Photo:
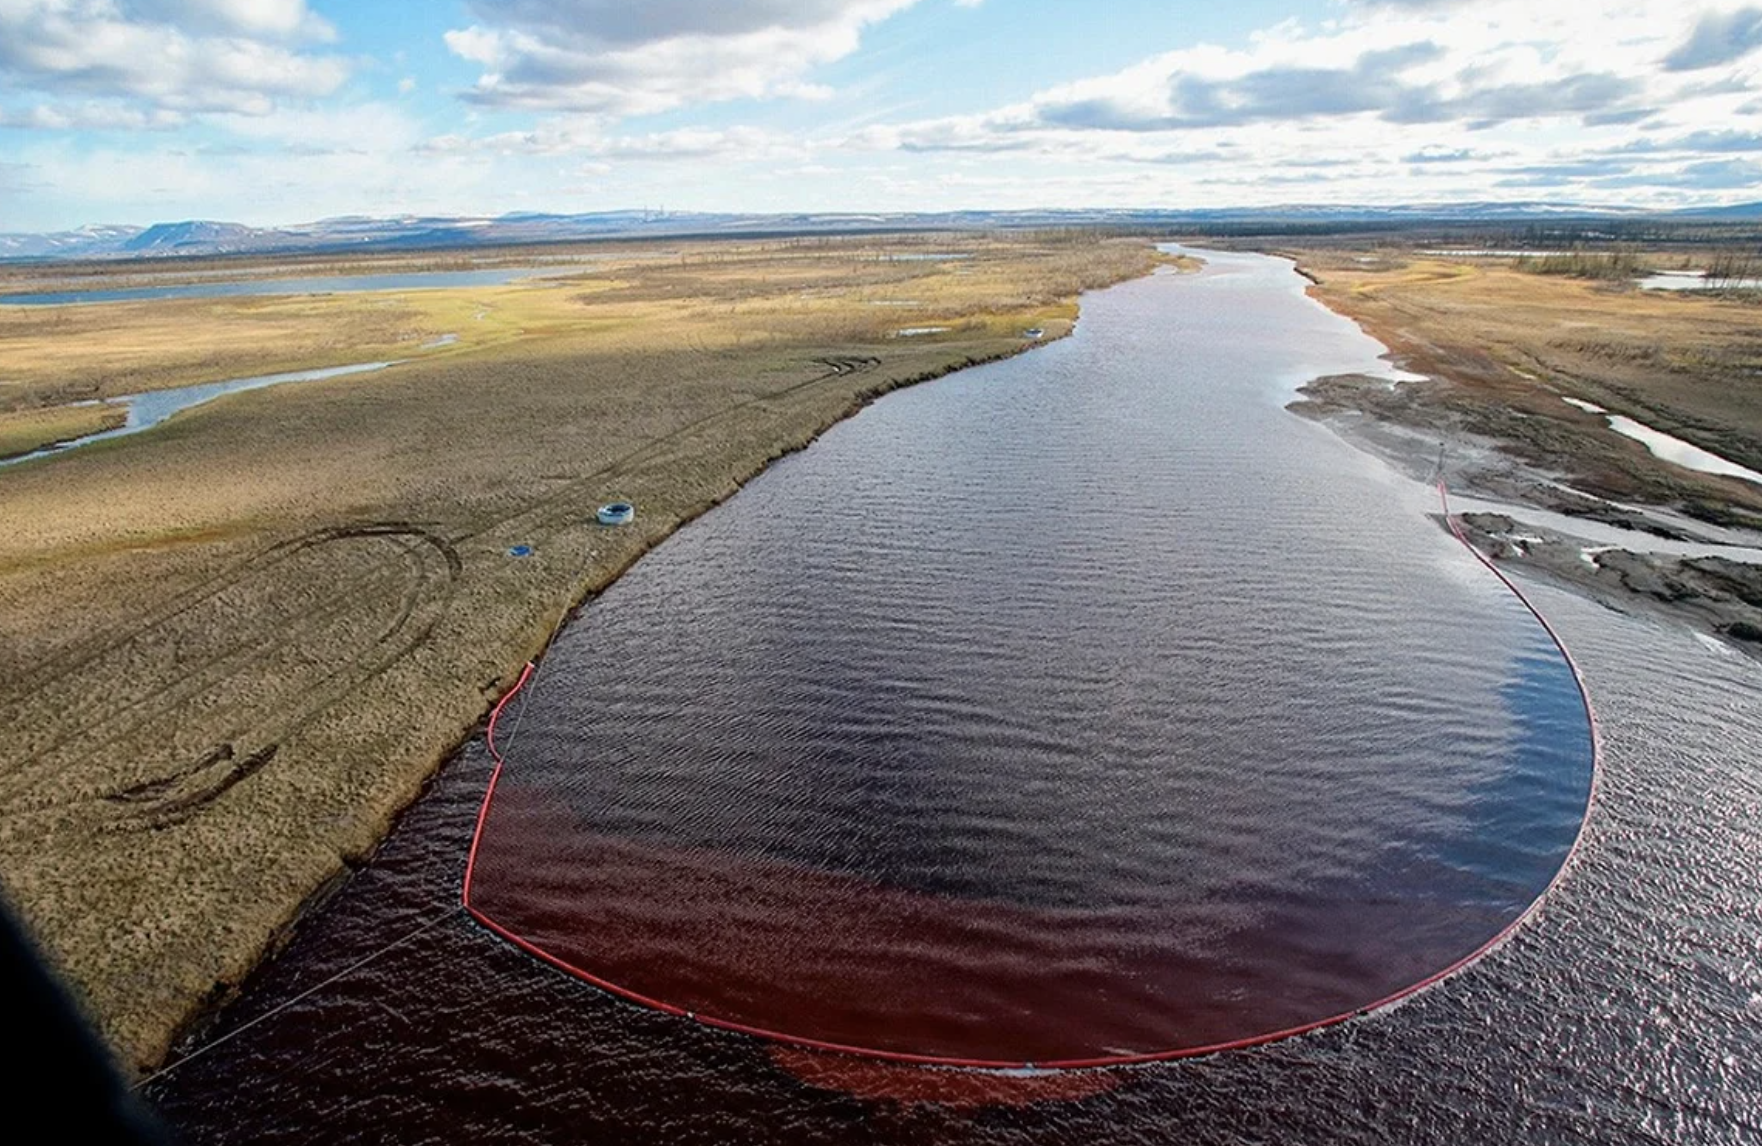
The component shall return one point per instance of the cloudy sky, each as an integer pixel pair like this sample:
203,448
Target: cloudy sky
277,111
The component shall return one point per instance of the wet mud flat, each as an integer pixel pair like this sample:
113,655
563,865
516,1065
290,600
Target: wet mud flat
1664,560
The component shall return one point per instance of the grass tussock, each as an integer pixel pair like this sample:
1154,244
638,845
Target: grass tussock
1609,266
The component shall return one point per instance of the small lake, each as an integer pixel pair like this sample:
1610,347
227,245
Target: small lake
1696,281
329,284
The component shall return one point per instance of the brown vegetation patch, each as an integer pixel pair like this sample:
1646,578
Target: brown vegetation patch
26,431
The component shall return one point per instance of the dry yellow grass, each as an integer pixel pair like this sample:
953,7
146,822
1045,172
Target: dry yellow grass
65,354
23,431
837,290
1507,345
231,649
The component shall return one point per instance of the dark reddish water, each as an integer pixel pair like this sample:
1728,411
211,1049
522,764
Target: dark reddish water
1077,707
1181,722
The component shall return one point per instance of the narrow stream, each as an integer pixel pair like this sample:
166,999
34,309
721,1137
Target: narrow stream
148,409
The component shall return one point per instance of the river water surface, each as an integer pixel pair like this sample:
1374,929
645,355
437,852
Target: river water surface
1082,704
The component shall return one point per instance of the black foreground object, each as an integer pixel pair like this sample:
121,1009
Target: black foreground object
55,1075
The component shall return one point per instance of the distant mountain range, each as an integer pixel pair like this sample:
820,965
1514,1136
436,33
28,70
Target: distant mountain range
412,232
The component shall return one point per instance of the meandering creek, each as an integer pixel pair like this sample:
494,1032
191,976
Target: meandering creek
149,409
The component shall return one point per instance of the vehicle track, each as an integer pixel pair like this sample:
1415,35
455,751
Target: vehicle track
220,675
215,679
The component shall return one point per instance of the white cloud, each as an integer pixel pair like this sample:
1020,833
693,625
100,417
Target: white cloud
1502,94
275,185
367,128
91,116
167,55
1718,38
614,58
584,138
1637,101
288,19
1392,101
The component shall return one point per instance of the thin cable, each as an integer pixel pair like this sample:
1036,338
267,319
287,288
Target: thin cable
519,717
525,700
301,997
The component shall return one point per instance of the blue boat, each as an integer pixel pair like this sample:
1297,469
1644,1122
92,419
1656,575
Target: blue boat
616,513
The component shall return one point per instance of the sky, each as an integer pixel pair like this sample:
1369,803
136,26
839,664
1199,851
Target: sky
283,111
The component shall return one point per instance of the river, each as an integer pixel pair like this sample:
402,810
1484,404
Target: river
1084,703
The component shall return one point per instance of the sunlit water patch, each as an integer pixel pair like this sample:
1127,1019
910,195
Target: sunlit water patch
149,409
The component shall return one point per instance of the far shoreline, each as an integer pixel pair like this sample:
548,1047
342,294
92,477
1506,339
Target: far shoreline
1448,428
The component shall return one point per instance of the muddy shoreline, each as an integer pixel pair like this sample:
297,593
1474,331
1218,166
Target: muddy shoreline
1421,430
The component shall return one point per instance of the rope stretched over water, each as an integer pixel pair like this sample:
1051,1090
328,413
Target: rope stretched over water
297,999
490,738
787,1039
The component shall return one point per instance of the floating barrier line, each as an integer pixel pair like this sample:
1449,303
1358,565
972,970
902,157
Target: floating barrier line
1100,1061
470,862
489,794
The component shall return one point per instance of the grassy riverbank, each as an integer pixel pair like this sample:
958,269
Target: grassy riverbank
234,648
1502,348
24,431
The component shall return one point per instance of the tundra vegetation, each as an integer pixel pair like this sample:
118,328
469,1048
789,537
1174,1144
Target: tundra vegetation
1618,265
1503,350
22,431
1502,347
234,647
